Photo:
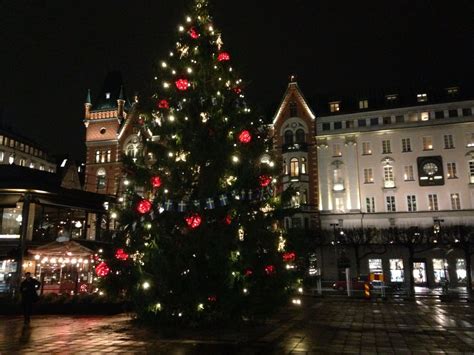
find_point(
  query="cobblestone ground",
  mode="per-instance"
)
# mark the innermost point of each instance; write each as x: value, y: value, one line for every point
x: 331, y: 325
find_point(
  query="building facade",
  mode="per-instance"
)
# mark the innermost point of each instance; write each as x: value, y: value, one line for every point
x: 389, y: 163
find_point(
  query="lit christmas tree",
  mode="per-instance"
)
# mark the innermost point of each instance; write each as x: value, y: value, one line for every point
x: 199, y: 241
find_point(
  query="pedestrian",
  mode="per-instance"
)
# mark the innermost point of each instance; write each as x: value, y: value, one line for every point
x: 28, y: 289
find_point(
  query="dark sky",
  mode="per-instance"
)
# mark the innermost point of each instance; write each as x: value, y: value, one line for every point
x: 53, y: 51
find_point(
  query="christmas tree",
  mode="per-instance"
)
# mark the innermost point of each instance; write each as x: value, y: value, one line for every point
x: 199, y: 239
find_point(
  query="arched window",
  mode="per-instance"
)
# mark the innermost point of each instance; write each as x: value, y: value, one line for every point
x: 101, y: 179
x: 131, y: 151
x: 285, y: 167
x: 304, y: 197
x: 294, y: 167
x: 288, y: 137
x: 303, y: 166
x: 300, y: 136
x: 97, y: 156
x: 293, y: 109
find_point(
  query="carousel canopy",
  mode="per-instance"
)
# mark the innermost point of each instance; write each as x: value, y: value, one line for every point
x: 62, y: 249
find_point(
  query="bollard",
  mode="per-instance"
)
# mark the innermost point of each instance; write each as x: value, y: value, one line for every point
x: 367, y: 291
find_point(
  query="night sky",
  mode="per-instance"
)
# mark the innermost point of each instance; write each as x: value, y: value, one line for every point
x: 52, y: 51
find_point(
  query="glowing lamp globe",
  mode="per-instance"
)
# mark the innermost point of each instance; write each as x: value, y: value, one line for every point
x: 193, y: 33
x: 182, y: 84
x: 155, y: 181
x: 163, y: 104
x: 193, y: 221
x: 144, y: 206
x: 223, y: 57
x: 264, y: 180
x: 120, y: 254
x: 245, y: 137
x: 102, y: 269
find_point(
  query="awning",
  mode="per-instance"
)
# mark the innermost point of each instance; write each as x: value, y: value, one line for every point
x: 64, y: 249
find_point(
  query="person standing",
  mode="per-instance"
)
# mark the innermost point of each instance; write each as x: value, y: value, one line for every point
x: 28, y: 289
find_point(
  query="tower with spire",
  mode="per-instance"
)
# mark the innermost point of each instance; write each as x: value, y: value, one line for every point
x: 109, y: 120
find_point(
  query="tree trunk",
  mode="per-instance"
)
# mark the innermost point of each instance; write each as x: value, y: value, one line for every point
x: 411, y: 279
x: 467, y: 257
x: 357, y: 259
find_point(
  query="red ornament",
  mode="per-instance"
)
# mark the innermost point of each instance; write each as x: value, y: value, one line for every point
x: 264, y: 180
x: 248, y: 272
x: 182, y: 84
x: 163, y: 104
x: 102, y: 269
x: 223, y: 57
x: 155, y: 181
x: 193, y: 221
x: 289, y: 256
x: 269, y: 269
x: 193, y: 33
x: 144, y: 206
x: 228, y: 219
x: 245, y: 137
x: 237, y: 90
x: 212, y: 298
x: 120, y: 254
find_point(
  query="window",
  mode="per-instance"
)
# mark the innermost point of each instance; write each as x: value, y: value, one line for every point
x: 467, y: 111
x: 427, y: 143
x: 12, y: 143
x: 396, y: 270
x: 338, y: 181
x: 375, y: 266
x: 300, y: 136
x: 361, y: 123
x: 334, y: 106
x: 461, y: 272
x: 374, y: 121
x: 338, y: 125
x: 440, y: 268
x: 41, y: 167
x: 350, y: 124
x: 97, y: 156
x: 1, y: 139
x: 370, y: 204
x: 386, y: 149
x: 22, y: 162
x: 366, y: 150
x: 294, y: 167
x: 303, y: 166
x: 363, y: 104
x: 339, y: 204
x: 433, y: 202
x: 390, y: 203
x: 293, y: 109
x: 336, y: 150
x: 439, y: 114
x: 326, y: 126
x: 471, y: 171
x: 422, y: 97
x: 448, y: 141
x: 32, y: 165
x: 411, y: 203
x: 453, y: 113
x: 399, y: 119
x: 388, y: 179
x: 285, y: 167
x: 406, y: 145
x: 109, y: 155
x: 455, y: 202
x: 304, y: 197
x: 368, y: 176
x: 288, y: 137
x: 425, y: 116
x: 101, y: 179
x: 107, y: 95
x: 452, y: 171
x: 387, y: 120
x: 408, y: 174
x: 452, y: 91
x: 2, y: 156
x: 391, y: 97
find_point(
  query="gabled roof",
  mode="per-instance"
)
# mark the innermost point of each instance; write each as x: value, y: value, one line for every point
x: 293, y: 88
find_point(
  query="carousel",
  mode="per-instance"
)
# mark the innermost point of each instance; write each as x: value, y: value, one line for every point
x: 63, y: 267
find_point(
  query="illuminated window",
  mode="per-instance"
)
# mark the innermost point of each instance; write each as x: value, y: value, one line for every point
x: 338, y: 181
x: 41, y: 167
x: 411, y: 203
x: 427, y: 143
x: 300, y: 136
x: 101, y: 179
x: 304, y: 197
x: 422, y: 97
x: 339, y: 204
x: 375, y: 266
x: 1, y: 139
x: 366, y: 149
x: 107, y: 95
x: 452, y: 91
x: 131, y: 151
x: 303, y: 165
x: 370, y: 204
x: 97, y: 156
x: 334, y: 106
x: 408, y: 173
x: 2, y: 156
x: 390, y: 200
x: 294, y: 167
x: 389, y: 181
x: 386, y: 147
x: 452, y: 171
x: 396, y: 270
x: 425, y: 116
x: 285, y: 167
x: 109, y: 155
x: 368, y: 176
x: 471, y: 171
x: 455, y: 202
x: 336, y: 150
x: 363, y: 104
x: 288, y: 137
x: 448, y: 141
x: 22, y: 162
x: 433, y: 202
x: 391, y: 97
x: 406, y: 145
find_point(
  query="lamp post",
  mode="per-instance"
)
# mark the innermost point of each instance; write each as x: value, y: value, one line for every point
x: 436, y: 230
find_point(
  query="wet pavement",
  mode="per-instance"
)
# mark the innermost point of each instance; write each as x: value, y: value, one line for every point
x: 319, y: 326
